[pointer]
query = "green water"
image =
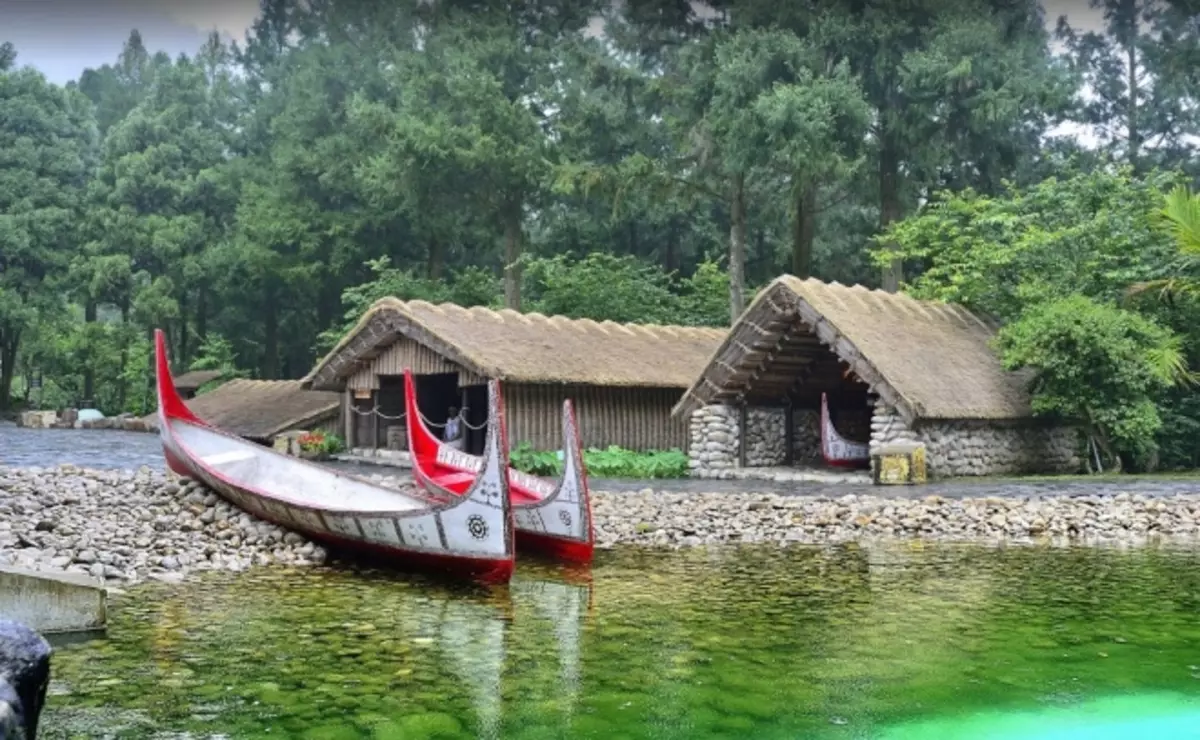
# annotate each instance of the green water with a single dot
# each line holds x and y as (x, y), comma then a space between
(892, 643)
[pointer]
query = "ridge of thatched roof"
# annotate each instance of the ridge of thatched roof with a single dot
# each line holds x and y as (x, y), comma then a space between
(525, 347)
(927, 359)
(260, 409)
(193, 379)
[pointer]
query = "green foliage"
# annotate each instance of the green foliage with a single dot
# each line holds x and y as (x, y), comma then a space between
(1089, 233)
(611, 462)
(1097, 364)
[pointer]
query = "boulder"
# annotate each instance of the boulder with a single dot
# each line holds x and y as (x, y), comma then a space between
(24, 676)
(37, 419)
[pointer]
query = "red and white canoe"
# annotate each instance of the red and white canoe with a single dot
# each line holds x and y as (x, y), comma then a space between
(470, 534)
(552, 518)
(836, 449)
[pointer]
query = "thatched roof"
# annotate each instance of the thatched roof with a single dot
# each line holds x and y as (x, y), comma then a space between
(190, 381)
(260, 409)
(525, 347)
(928, 360)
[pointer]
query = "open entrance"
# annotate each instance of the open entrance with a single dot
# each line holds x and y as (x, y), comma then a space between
(775, 375)
(391, 433)
(438, 393)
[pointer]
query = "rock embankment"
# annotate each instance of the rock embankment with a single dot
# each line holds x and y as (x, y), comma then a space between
(697, 519)
(128, 526)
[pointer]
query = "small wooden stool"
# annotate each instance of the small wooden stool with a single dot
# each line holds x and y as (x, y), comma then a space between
(898, 463)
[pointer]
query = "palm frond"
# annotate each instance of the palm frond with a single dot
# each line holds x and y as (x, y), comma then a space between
(1181, 216)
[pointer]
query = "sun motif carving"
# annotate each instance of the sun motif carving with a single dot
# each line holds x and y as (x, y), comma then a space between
(477, 527)
(564, 516)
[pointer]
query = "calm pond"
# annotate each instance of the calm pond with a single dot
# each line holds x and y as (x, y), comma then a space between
(891, 643)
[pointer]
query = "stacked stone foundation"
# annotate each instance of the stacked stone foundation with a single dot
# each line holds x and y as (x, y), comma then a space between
(980, 448)
(953, 448)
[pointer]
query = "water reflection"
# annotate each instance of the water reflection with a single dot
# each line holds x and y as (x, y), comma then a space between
(825, 643)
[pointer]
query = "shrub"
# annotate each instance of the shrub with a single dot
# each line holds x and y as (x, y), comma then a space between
(611, 462)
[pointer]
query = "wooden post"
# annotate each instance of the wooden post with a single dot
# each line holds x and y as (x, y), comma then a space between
(789, 430)
(742, 435)
(375, 419)
(348, 418)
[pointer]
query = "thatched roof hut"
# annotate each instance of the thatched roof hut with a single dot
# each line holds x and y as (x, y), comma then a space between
(927, 360)
(261, 409)
(525, 347)
(622, 378)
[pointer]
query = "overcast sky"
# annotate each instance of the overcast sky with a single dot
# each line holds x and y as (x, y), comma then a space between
(63, 37)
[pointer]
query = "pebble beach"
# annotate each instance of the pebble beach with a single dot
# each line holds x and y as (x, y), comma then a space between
(127, 526)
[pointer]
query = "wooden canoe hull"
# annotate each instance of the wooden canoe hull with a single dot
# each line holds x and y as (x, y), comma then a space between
(837, 450)
(470, 534)
(551, 519)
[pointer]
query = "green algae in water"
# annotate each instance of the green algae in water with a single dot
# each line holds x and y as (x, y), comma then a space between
(1148, 717)
(839, 643)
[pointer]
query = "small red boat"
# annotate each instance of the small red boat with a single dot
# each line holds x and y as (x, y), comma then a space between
(468, 534)
(551, 518)
(836, 449)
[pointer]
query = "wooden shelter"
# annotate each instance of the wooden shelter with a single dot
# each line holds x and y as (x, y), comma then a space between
(927, 370)
(188, 383)
(261, 409)
(622, 378)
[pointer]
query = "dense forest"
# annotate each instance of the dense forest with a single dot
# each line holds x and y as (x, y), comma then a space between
(650, 161)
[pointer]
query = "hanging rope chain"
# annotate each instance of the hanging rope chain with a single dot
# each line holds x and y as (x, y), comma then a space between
(376, 412)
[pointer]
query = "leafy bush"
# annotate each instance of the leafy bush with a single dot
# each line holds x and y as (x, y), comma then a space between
(612, 462)
(1100, 365)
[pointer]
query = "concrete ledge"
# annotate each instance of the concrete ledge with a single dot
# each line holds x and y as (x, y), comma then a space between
(53, 602)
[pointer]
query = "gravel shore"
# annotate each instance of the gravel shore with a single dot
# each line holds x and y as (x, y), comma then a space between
(129, 526)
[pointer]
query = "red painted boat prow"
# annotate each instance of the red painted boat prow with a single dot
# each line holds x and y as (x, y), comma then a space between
(553, 519)
(468, 533)
(836, 449)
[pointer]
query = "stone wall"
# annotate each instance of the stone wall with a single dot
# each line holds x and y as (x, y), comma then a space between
(766, 437)
(715, 446)
(714, 441)
(806, 436)
(976, 448)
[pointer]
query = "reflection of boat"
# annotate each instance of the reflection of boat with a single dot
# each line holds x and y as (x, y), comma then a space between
(473, 645)
(552, 519)
(470, 534)
(563, 604)
(836, 449)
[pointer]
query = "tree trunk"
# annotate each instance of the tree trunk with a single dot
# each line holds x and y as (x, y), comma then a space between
(435, 260)
(89, 369)
(181, 355)
(804, 228)
(737, 248)
(889, 205)
(121, 388)
(270, 360)
(671, 255)
(512, 255)
(1131, 122)
(202, 314)
(8, 366)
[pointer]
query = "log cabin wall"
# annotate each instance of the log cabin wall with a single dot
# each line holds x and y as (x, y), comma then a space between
(406, 353)
(633, 418)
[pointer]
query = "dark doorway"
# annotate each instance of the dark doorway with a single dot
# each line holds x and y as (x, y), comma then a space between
(475, 399)
(435, 395)
(390, 398)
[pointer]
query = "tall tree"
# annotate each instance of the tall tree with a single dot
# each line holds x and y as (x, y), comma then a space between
(45, 135)
(1140, 89)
